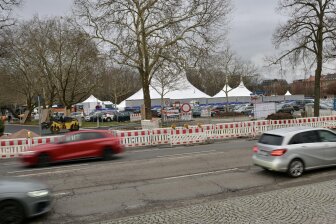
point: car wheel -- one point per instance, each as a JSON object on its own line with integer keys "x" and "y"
{"x": 108, "y": 154}
{"x": 11, "y": 212}
{"x": 55, "y": 129}
{"x": 108, "y": 119}
{"x": 43, "y": 160}
{"x": 76, "y": 127}
{"x": 295, "y": 168}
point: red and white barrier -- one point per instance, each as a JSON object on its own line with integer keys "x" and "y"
{"x": 10, "y": 148}
{"x": 179, "y": 136}
{"x": 188, "y": 136}
{"x": 135, "y": 117}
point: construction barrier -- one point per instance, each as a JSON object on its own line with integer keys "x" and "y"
{"x": 10, "y": 148}
{"x": 135, "y": 117}
{"x": 180, "y": 135}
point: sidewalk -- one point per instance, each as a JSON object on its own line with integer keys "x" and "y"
{"x": 314, "y": 203}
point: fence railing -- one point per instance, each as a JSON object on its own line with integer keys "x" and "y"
{"x": 180, "y": 135}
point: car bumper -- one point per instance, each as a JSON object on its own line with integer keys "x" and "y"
{"x": 271, "y": 163}
{"x": 28, "y": 160}
{"x": 38, "y": 206}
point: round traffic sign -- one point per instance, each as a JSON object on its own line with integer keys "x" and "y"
{"x": 186, "y": 107}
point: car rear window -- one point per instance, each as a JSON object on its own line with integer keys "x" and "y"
{"x": 269, "y": 139}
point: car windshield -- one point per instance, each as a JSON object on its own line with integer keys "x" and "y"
{"x": 269, "y": 139}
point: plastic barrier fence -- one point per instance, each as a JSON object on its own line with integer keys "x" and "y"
{"x": 180, "y": 136}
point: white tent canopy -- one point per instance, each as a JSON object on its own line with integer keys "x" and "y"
{"x": 92, "y": 99}
{"x": 90, "y": 104}
{"x": 288, "y": 93}
{"x": 188, "y": 91}
{"x": 139, "y": 95}
{"x": 221, "y": 93}
{"x": 122, "y": 105}
{"x": 241, "y": 90}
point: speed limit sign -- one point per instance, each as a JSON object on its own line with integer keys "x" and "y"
{"x": 186, "y": 107}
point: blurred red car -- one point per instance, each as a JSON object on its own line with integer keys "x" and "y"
{"x": 72, "y": 146}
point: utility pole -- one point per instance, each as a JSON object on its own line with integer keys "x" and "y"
{"x": 39, "y": 111}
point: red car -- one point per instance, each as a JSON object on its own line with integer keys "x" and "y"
{"x": 72, "y": 146}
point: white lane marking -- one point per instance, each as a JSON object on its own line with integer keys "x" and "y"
{"x": 11, "y": 163}
{"x": 188, "y": 153}
{"x": 188, "y": 156}
{"x": 199, "y": 174}
{"x": 60, "y": 170}
{"x": 50, "y": 172}
{"x": 47, "y": 168}
{"x": 145, "y": 150}
{"x": 61, "y": 194}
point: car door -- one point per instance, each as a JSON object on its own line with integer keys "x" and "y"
{"x": 307, "y": 145}
{"x": 90, "y": 144}
{"x": 68, "y": 147}
{"x": 328, "y": 141}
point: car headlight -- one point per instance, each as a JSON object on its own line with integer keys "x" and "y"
{"x": 40, "y": 193}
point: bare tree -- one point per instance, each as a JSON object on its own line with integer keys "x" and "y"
{"x": 116, "y": 84}
{"x": 167, "y": 79}
{"x": 213, "y": 71}
{"x": 6, "y": 9}
{"x": 18, "y": 67}
{"x": 142, "y": 33}
{"x": 53, "y": 59}
{"x": 67, "y": 59}
{"x": 309, "y": 29}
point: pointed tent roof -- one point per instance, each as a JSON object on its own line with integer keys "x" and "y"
{"x": 139, "y": 95}
{"x": 241, "y": 90}
{"x": 188, "y": 91}
{"x": 91, "y": 99}
{"x": 221, "y": 93}
{"x": 288, "y": 93}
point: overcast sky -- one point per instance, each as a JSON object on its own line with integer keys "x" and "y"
{"x": 252, "y": 24}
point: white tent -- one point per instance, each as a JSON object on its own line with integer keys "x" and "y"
{"x": 221, "y": 93}
{"x": 288, "y": 93}
{"x": 90, "y": 104}
{"x": 188, "y": 91}
{"x": 121, "y": 106}
{"x": 92, "y": 99}
{"x": 241, "y": 90}
{"x": 139, "y": 95}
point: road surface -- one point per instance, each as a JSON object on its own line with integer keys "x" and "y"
{"x": 155, "y": 183}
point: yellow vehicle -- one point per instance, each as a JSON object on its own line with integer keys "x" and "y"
{"x": 68, "y": 123}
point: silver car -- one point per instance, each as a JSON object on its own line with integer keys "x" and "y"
{"x": 295, "y": 150}
{"x": 21, "y": 199}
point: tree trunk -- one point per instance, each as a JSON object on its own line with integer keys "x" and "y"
{"x": 318, "y": 71}
{"x": 147, "y": 101}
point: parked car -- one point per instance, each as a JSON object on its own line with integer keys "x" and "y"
{"x": 77, "y": 115}
{"x": 249, "y": 110}
{"x": 295, "y": 150}
{"x": 241, "y": 109}
{"x": 21, "y": 199}
{"x": 196, "y": 112}
{"x": 322, "y": 106}
{"x": 122, "y": 116}
{"x": 108, "y": 115}
{"x": 74, "y": 145}
{"x": 286, "y": 108}
{"x": 156, "y": 112}
{"x": 93, "y": 116}
{"x": 302, "y": 103}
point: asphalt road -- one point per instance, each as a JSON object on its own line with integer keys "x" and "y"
{"x": 154, "y": 179}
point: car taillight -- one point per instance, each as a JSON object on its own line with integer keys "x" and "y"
{"x": 278, "y": 152}
{"x": 255, "y": 149}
